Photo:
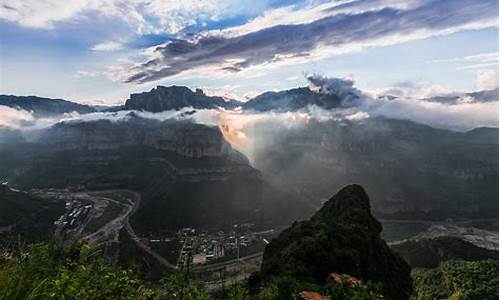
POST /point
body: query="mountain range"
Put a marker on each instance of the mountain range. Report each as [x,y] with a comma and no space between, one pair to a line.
[447,174]
[188,174]
[442,168]
[473,97]
[174,97]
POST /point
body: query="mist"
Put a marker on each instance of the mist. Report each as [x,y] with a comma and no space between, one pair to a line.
[238,126]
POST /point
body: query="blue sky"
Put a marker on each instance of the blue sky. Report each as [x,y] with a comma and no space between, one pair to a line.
[101,51]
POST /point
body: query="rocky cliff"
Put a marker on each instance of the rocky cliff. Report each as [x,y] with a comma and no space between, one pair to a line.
[187,173]
[412,170]
[174,97]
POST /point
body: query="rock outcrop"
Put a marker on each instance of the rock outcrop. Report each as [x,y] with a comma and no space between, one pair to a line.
[174,97]
[306,295]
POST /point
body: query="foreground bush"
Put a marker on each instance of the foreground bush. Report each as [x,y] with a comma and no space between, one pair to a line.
[53,271]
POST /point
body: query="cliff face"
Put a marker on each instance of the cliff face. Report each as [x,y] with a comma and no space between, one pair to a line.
[187,173]
[341,237]
[176,97]
[445,173]
[183,138]
[104,154]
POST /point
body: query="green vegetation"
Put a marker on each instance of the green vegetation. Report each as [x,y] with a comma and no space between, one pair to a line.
[286,288]
[411,171]
[27,215]
[429,253]
[186,173]
[395,231]
[54,271]
[458,280]
[341,237]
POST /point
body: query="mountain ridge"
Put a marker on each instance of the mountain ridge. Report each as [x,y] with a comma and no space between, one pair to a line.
[342,237]
[44,107]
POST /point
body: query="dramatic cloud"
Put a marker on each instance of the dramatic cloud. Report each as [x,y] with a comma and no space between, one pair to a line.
[343,88]
[315,33]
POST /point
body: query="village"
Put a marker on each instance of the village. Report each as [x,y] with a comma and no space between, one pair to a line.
[198,247]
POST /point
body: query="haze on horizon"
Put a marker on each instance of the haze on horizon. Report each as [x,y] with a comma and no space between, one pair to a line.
[101,51]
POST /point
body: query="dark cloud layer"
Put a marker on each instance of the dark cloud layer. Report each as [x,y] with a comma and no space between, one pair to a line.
[280,42]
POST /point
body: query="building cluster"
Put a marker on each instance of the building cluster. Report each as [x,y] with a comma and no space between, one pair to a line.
[76,212]
[201,247]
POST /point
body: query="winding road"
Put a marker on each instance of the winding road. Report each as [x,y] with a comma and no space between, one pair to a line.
[138,241]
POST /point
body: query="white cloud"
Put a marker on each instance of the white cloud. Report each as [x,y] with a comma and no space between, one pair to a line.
[478,66]
[14,118]
[227,92]
[487,79]
[417,90]
[465,116]
[84,73]
[107,46]
[483,57]
[45,14]
[142,16]
[41,13]
[478,58]
[174,15]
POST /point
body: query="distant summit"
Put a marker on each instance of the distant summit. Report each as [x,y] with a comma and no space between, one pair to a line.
[297,99]
[44,107]
[429,253]
[327,93]
[341,237]
[473,97]
[174,97]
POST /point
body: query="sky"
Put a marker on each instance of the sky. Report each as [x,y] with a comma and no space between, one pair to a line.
[100,51]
